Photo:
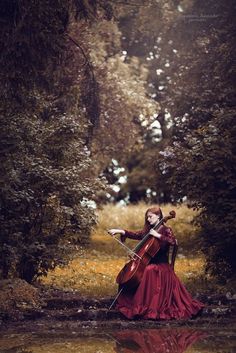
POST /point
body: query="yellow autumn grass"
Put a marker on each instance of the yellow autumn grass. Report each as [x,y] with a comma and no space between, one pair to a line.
[94,272]
[78,345]
[132,217]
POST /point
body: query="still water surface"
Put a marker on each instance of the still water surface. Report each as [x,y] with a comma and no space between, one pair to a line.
[171,340]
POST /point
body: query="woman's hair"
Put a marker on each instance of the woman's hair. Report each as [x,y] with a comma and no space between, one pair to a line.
[156,210]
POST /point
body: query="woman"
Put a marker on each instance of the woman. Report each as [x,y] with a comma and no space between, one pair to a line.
[160,294]
[172,340]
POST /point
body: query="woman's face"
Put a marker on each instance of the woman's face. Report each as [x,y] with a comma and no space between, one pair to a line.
[152,218]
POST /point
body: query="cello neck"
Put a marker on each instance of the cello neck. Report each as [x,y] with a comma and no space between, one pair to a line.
[156,226]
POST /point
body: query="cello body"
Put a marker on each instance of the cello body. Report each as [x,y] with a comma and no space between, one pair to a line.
[131,274]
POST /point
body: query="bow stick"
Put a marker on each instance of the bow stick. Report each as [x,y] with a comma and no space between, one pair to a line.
[126,247]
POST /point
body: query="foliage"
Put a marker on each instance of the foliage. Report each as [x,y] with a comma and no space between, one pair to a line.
[143,181]
[122,96]
[203,168]
[145,39]
[46,173]
[73,100]
[200,163]
[188,49]
[93,273]
[61,61]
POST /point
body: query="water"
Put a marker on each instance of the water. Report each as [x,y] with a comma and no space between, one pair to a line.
[171,340]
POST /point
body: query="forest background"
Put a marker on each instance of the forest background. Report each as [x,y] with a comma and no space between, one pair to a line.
[114,102]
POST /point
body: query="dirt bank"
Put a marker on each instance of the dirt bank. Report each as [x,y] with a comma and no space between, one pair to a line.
[49,308]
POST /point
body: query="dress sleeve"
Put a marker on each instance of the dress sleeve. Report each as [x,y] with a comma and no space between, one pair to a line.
[168,236]
[138,235]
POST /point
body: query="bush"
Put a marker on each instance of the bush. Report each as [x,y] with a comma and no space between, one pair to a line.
[202,168]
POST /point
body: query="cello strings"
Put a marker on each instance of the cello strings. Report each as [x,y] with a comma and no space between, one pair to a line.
[140,244]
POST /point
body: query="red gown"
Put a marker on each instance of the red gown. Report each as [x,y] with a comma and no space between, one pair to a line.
[160,294]
[156,340]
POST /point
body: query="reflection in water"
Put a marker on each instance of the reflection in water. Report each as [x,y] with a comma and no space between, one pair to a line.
[161,340]
[156,340]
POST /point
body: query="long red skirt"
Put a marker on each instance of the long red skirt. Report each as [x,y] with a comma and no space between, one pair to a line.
[160,295]
[157,340]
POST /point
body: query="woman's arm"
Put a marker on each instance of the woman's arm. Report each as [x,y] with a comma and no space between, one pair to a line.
[168,236]
[138,235]
[124,233]
[164,234]
[115,231]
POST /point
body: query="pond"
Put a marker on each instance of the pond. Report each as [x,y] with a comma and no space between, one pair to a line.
[167,340]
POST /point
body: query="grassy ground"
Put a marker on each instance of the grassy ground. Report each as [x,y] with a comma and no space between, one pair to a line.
[94,272]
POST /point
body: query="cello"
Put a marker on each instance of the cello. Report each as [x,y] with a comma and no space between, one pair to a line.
[131,274]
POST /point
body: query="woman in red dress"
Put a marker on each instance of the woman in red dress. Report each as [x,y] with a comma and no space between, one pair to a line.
[160,294]
[174,340]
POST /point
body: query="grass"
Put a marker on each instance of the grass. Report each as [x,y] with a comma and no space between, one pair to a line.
[132,217]
[94,272]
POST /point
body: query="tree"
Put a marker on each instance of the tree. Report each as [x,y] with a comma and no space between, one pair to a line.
[200,163]
[188,50]
[140,25]
[45,175]
[54,120]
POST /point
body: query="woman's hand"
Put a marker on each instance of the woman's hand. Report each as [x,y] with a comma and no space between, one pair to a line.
[116,231]
[155,234]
